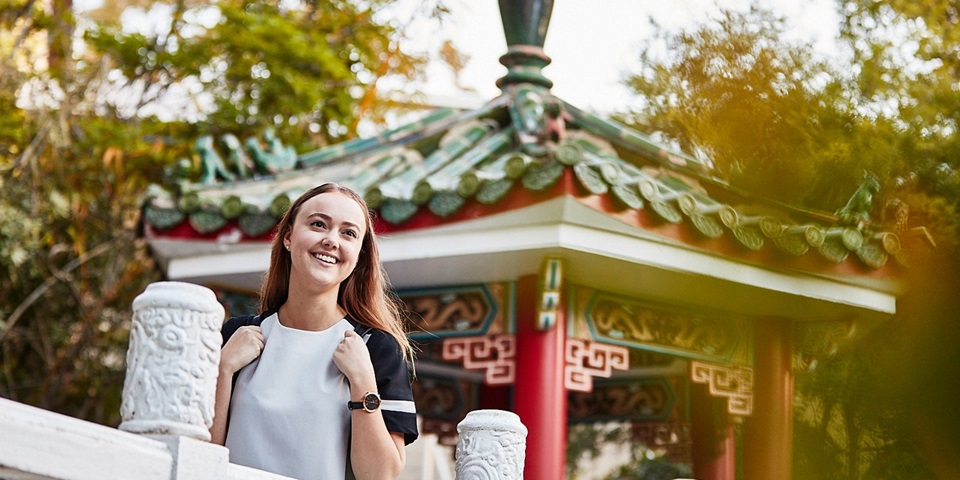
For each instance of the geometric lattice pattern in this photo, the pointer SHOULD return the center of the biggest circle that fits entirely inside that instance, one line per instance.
(585, 360)
(734, 383)
(494, 354)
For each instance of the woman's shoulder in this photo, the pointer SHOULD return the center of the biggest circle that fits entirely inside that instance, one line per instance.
(378, 341)
(232, 324)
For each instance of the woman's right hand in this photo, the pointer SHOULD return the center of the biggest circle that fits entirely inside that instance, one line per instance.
(243, 347)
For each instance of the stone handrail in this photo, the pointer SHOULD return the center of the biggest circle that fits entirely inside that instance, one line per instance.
(167, 411)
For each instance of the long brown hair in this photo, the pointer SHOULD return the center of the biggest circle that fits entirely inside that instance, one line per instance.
(363, 294)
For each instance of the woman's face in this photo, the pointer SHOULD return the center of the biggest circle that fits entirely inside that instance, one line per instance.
(325, 240)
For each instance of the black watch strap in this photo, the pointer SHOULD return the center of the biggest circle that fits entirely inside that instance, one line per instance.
(370, 403)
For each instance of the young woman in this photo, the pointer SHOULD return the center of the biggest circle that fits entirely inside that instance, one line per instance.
(316, 386)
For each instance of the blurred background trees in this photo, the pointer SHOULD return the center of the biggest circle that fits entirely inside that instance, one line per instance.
(775, 117)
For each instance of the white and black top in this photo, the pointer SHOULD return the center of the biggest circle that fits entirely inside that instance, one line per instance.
(288, 412)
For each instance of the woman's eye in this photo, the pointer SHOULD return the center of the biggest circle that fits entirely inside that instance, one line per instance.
(351, 233)
(318, 224)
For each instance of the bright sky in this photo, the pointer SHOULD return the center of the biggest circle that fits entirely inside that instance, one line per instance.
(594, 44)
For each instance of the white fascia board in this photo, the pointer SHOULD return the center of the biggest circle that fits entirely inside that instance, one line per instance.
(670, 257)
(247, 261)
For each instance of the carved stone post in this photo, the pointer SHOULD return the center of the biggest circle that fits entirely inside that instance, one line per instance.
(492, 446)
(172, 361)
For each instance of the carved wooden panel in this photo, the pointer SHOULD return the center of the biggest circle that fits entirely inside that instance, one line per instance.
(468, 310)
(713, 336)
(442, 403)
(637, 400)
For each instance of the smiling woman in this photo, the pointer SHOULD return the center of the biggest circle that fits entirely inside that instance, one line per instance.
(324, 306)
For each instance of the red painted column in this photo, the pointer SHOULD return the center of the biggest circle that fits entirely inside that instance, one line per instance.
(714, 442)
(540, 399)
(768, 432)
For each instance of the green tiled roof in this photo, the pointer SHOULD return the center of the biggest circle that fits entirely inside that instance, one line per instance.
(523, 139)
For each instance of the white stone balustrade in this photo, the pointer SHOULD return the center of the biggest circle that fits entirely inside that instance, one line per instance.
(492, 446)
(167, 410)
(172, 361)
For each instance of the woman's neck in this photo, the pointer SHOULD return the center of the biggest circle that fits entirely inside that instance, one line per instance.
(310, 312)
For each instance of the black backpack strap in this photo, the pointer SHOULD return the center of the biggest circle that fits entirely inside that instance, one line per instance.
(231, 326)
(363, 330)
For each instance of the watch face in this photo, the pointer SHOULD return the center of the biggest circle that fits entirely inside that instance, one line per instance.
(371, 402)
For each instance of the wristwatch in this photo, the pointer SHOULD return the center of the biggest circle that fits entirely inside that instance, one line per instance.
(370, 403)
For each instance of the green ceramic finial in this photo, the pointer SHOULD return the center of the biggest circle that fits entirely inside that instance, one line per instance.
(525, 25)
(525, 22)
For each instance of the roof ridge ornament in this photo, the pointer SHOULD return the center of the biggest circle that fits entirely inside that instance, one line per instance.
(525, 24)
(856, 212)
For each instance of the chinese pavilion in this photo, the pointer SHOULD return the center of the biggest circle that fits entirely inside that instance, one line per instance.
(563, 266)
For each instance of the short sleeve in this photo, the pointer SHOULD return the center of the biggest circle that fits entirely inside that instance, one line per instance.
(394, 386)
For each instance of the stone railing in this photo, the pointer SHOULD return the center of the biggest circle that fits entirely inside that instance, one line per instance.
(167, 411)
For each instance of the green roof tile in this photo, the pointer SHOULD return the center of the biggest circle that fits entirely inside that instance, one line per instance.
(450, 158)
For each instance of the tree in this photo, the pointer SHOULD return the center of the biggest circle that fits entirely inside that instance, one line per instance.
(776, 120)
(92, 111)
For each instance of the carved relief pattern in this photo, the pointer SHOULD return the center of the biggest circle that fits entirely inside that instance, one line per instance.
(464, 311)
(815, 341)
(585, 360)
(644, 326)
(641, 400)
(733, 383)
(172, 363)
(490, 452)
(441, 403)
(442, 398)
(493, 353)
(672, 436)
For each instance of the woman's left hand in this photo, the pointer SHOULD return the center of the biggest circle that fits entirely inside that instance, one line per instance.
(353, 359)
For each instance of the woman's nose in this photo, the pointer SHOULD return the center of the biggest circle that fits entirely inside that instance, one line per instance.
(328, 241)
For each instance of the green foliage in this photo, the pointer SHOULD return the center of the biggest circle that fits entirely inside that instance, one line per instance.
(585, 442)
(301, 71)
(765, 114)
(776, 120)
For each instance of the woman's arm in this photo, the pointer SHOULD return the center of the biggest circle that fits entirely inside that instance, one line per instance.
(375, 452)
(243, 347)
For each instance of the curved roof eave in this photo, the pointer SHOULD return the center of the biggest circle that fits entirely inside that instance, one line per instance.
(523, 147)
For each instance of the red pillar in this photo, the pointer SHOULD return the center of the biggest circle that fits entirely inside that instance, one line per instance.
(714, 442)
(768, 432)
(540, 398)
